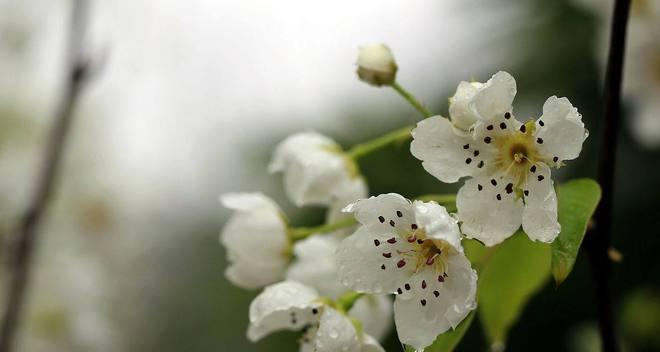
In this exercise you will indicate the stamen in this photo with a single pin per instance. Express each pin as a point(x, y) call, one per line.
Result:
point(431, 259)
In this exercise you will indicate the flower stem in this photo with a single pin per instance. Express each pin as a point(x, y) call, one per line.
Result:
point(300, 233)
point(397, 136)
point(597, 242)
point(411, 99)
point(440, 198)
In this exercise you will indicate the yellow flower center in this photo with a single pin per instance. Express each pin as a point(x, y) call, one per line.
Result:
point(516, 152)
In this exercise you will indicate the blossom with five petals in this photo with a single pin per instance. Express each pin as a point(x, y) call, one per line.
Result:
point(414, 251)
point(508, 162)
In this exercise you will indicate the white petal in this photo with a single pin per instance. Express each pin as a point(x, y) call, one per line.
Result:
point(459, 111)
point(370, 261)
point(313, 168)
point(383, 213)
point(495, 97)
point(484, 216)
point(370, 344)
point(336, 333)
point(375, 313)
point(249, 202)
point(285, 305)
point(445, 152)
point(250, 275)
point(432, 307)
point(355, 190)
point(316, 265)
point(437, 223)
point(560, 129)
point(540, 213)
point(255, 238)
point(290, 148)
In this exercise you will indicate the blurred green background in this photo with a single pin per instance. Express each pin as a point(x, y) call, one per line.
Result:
point(193, 96)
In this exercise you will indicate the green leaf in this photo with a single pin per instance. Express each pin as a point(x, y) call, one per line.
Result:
point(514, 272)
point(448, 341)
point(577, 202)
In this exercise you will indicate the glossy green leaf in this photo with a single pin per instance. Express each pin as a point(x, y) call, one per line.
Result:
point(577, 202)
point(514, 271)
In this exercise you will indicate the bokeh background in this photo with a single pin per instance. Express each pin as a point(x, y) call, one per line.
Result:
point(189, 100)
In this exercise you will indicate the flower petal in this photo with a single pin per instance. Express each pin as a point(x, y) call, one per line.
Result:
point(336, 333)
point(383, 213)
point(313, 167)
point(375, 314)
point(255, 238)
point(487, 210)
point(433, 306)
point(371, 261)
point(370, 344)
point(316, 266)
point(461, 115)
point(250, 275)
point(494, 99)
point(445, 152)
point(286, 305)
point(437, 223)
point(540, 213)
point(560, 131)
point(355, 190)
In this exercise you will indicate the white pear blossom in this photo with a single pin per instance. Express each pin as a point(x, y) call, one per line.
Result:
point(290, 305)
point(376, 65)
point(414, 251)
point(256, 240)
point(508, 163)
point(316, 266)
point(315, 168)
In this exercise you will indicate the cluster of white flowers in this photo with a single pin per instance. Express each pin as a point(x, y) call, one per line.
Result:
point(337, 285)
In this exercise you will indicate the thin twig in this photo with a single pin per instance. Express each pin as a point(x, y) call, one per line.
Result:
point(21, 261)
point(598, 240)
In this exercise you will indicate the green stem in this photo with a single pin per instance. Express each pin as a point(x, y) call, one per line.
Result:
point(362, 149)
point(300, 233)
point(440, 198)
point(412, 100)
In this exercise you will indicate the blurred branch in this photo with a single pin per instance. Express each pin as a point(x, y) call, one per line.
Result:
point(77, 69)
point(598, 240)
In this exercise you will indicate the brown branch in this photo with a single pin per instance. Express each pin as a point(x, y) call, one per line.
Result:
point(77, 70)
point(598, 240)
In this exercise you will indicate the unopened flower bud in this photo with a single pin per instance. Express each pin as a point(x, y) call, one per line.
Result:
point(376, 65)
